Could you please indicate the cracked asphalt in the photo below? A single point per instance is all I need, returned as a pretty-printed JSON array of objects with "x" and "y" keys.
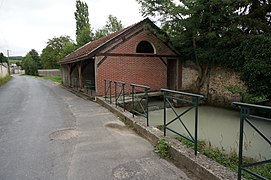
[{"x": 47, "y": 133}]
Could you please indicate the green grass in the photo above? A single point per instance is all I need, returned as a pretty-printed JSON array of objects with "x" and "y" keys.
[
  {"x": 14, "y": 61},
  {"x": 53, "y": 78},
  {"x": 5, "y": 79},
  {"x": 162, "y": 148},
  {"x": 228, "y": 160}
]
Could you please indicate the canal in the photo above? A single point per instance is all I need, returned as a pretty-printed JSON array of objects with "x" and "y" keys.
[{"x": 220, "y": 128}]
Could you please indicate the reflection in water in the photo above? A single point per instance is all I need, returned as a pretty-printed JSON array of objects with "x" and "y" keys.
[{"x": 220, "y": 127}]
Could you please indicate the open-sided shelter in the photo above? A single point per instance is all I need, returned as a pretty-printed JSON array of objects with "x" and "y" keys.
[{"x": 135, "y": 54}]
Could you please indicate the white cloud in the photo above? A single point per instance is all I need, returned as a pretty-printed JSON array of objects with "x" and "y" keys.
[{"x": 28, "y": 24}]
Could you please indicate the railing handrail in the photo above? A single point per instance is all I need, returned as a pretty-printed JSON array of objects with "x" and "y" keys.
[
  {"x": 255, "y": 106},
  {"x": 119, "y": 82},
  {"x": 183, "y": 93},
  {"x": 142, "y": 86}
]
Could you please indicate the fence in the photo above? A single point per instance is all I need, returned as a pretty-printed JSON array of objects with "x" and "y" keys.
[
  {"x": 141, "y": 99},
  {"x": 182, "y": 96},
  {"x": 247, "y": 117}
]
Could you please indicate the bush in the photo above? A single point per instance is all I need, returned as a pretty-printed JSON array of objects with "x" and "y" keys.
[{"x": 254, "y": 63}]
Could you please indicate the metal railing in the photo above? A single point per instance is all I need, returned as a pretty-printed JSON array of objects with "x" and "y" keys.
[
  {"x": 120, "y": 93},
  {"x": 171, "y": 95},
  {"x": 245, "y": 116},
  {"x": 108, "y": 90},
  {"x": 140, "y": 94}
]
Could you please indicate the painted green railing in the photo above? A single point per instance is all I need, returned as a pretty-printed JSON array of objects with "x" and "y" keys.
[
  {"x": 120, "y": 93},
  {"x": 246, "y": 117},
  {"x": 108, "y": 90},
  {"x": 140, "y": 99},
  {"x": 192, "y": 101}
]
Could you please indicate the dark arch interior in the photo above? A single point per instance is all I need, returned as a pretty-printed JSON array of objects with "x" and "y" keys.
[{"x": 144, "y": 47}]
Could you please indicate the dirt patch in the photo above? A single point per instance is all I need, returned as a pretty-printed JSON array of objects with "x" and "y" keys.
[
  {"x": 118, "y": 127},
  {"x": 64, "y": 134}
]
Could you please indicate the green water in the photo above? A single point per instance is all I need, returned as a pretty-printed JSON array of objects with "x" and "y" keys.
[{"x": 219, "y": 127}]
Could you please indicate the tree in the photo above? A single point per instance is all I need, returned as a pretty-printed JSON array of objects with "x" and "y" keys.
[
  {"x": 83, "y": 28},
  {"x": 198, "y": 29},
  {"x": 255, "y": 65},
  {"x": 209, "y": 31},
  {"x": 112, "y": 25},
  {"x": 56, "y": 49},
  {"x": 31, "y": 63},
  {"x": 2, "y": 58}
]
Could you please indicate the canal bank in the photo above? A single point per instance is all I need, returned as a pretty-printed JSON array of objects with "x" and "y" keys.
[{"x": 219, "y": 128}]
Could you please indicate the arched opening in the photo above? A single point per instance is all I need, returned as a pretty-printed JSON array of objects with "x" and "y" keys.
[{"x": 145, "y": 47}]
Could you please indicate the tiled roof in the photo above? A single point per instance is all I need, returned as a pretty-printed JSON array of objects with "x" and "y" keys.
[{"x": 91, "y": 47}]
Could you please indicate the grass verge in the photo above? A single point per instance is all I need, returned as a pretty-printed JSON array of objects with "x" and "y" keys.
[
  {"x": 53, "y": 78},
  {"x": 5, "y": 80},
  {"x": 228, "y": 160},
  {"x": 162, "y": 148}
]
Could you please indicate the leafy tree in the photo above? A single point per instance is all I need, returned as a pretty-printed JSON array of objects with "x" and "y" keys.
[
  {"x": 254, "y": 59},
  {"x": 255, "y": 16},
  {"x": 83, "y": 28},
  {"x": 200, "y": 30},
  {"x": 31, "y": 63},
  {"x": 57, "y": 48},
  {"x": 209, "y": 31},
  {"x": 112, "y": 25},
  {"x": 2, "y": 58}
]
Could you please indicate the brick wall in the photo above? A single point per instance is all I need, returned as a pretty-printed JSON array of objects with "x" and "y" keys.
[{"x": 150, "y": 71}]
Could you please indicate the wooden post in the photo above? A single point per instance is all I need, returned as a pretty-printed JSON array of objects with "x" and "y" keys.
[
  {"x": 69, "y": 75},
  {"x": 79, "y": 66}
]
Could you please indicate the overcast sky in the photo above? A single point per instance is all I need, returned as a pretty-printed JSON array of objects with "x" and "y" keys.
[{"x": 28, "y": 24}]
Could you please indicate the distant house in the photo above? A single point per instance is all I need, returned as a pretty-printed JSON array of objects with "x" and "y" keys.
[{"x": 132, "y": 55}]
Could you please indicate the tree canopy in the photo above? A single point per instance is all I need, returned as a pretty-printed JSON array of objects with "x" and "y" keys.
[
  {"x": 2, "y": 58},
  {"x": 210, "y": 31},
  {"x": 56, "y": 49},
  {"x": 83, "y": 28},
  {"x": 31, "y": 63},
  {"x": 112, "y": 25}
]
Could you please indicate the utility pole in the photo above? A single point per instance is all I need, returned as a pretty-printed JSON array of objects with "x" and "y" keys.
[{"x": 8, "y": 62}]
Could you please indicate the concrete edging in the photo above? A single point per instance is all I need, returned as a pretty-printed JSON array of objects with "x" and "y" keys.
[{"x": 181, "y": 156}]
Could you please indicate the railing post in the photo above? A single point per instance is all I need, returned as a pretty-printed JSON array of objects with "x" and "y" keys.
[
  {"x": 116, "y": 95},
  {"x": 195, "y": 102},
  {"x": 165, "y": 114},
  {"x": 147, "y": 105},
  {"x": 105, "y": 90},
  {"x": 243, "y": 115},
  {"x": 133, "y": 100},
  {"x": 123, "y": 95},
  {"x": 110, "y": 93}
]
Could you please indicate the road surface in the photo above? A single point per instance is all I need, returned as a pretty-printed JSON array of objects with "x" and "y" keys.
[{"x": 48, "y": 133}]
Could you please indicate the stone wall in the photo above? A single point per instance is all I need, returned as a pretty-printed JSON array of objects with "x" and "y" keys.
[
  {"x": 215, "y": 85},
  {"x": 3, "y": 70},
  {"x": 49, "y": 72}
]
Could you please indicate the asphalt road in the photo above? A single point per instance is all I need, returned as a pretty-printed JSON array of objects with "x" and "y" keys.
[{"x": 48, "y": 133}]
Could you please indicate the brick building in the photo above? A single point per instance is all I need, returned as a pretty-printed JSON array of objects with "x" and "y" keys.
[{"x": 135, "y": 54}]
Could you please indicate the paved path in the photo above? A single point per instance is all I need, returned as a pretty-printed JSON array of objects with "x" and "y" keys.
[{"x": 48, "y": 133}]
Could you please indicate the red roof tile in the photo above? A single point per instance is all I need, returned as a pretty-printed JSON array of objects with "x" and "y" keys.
[{"x": 91, "y": 47}]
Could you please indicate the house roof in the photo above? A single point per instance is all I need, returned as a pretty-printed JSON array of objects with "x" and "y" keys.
[{"x": 90, "y": 49}]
